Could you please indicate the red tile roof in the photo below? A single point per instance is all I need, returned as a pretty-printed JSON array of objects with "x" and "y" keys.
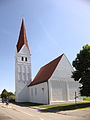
[
  {"x": 22, "y": 38},
  {"x": 45, "y": 72}
]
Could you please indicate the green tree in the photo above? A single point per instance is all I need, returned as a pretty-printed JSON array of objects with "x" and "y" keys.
[
  {"x": 82, "y": 70},
  {"x": 10, "y": 94},
  {"x": 4, "y": 94}
]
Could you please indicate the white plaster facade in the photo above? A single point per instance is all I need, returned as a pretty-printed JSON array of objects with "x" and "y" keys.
[
  {"x": 22, "y": 74},
  {"x": 59, "y": 88},
  {"x": 62, "y": 87},
  {"x": 39, "y": 93}
]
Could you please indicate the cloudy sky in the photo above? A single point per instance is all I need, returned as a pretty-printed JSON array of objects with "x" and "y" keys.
[{"x": 53, "y": 27}]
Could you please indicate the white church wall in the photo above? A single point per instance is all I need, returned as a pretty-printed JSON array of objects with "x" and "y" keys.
[
  {"x": 73, "y": 88},
  {"x": 60, "y": 82},
  {"x": 22, "y": 75},
  {"x": 39, "y": 93},
  {"x": 58, "y": 91},
  {"x": 22, "y": 92},
  {"x": 63, "y": 70}
]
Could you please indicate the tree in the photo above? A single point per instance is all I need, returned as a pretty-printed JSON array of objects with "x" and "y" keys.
[
  {"x": 10, "y": 94},
  {"x": 4, "y": 94},
  {"x": 82, "y": 70}
]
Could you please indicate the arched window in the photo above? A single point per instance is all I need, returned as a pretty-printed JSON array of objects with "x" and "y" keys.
[
  {"x": 25, "y": 58},
  {"x": 22, "y": 59}
]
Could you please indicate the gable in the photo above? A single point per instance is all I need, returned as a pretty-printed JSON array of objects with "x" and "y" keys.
[
  {"x": 63, "y": 71},
  {"x": 24, "y": 50}
]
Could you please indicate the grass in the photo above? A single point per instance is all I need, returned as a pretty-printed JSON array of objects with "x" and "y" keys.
[
  {"x": 64, "y": 107},
  {"x": 86, "y": 99}
]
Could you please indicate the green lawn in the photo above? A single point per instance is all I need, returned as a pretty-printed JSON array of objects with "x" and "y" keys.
[
  {"x": 63, "y": 107},
  {"x": 86, "y": 99}
]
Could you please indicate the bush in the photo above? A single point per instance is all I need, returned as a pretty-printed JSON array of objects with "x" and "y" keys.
[{"x": 5, "y": 94}]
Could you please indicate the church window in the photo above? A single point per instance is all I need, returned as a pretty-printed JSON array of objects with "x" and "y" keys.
[
  {"x": 32, "y": 91},
  {"x": 35, "y": 91},
  {"x": 43, "y": 89},
  {"x": 25, "y": 58},
  {"x": 22, "y": 58}
]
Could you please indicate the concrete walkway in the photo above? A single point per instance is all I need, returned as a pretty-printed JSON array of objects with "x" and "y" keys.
[{"x": 15, "y": 112}]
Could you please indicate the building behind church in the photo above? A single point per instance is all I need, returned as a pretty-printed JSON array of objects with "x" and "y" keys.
[{"x": 52, "y": 84}]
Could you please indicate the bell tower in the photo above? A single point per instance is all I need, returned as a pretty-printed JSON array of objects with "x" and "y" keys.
[{"x": 22, "y": 66}]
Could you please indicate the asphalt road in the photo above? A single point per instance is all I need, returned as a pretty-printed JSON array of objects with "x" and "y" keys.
[{"x": 14, "y": 112}]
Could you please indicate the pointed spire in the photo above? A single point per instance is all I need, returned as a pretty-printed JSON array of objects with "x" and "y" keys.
[{"x": 22, "y": 38}]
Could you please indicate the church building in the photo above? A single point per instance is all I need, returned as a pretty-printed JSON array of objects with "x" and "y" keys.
[{"x": 52, "y": 84}]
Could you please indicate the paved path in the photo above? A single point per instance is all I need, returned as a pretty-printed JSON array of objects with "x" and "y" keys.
[{"x": 14, "y": 112}]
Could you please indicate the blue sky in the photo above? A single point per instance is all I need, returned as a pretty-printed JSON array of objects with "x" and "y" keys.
[{"x": 53, "y": 27}]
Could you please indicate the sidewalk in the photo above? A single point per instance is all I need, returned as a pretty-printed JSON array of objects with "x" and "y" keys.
[{"x": 80, "y": 114}]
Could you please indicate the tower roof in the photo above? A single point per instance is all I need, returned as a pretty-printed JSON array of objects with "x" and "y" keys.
[
  {"x": 45, "y": 72},
  {"x": 22, "y": 40}
]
